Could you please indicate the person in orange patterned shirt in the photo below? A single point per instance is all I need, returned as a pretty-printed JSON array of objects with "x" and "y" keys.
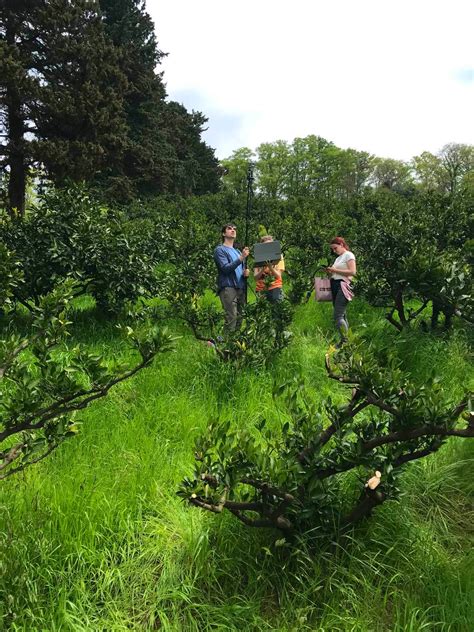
[{"x": 269, "y": 277}]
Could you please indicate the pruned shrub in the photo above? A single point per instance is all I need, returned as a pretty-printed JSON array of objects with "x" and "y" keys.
[
  {"x": 45, "y": 381},
  {"x": 68, "y": 234},
  {"x": 409, "y": 253},
  {"x": 327, "y": 465}
]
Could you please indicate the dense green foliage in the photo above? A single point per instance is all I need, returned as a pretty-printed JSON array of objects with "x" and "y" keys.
[
  {"x": 163, "y": 149},
  {"x": 69, "y": 235},
  {"x": 121, "y": 553},
  {"x": 61, "y": 96},
  {"x": 288, "y": 477},
  {"x": 416, "y": 247},
  {"x": 288, "y": 434}
]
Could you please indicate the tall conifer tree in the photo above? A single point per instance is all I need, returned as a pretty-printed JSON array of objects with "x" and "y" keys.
[
  {"x": 61, "y": 92},
  {"x": 143, "y": 165},
  {"x": 164, "y": 150}
]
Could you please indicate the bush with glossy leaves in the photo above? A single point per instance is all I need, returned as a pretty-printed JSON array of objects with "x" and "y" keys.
[
  {"x": 45, "y": 381},
  {"x": 69, "y": 235},
  {"x": 327, "y": 466}
]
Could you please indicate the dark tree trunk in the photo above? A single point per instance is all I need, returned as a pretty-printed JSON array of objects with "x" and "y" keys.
[
  {"x": 448, "y": 312},
  {"x": 367, "y": 502},
  {"x": 435, "y": 314},
  {"x": 398, "y": 296},
  {"x": 16, "y": 145},
  {"x": 17, "y": 180}
]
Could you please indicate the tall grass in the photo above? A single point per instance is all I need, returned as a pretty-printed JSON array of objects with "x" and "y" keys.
[{"x": 95, "y": 538}]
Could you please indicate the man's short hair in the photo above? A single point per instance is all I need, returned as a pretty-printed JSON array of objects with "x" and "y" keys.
[{"x": 229, "y": 225}]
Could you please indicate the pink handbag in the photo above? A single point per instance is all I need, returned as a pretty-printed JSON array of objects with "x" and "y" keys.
[{"x": 322, "y": 288}]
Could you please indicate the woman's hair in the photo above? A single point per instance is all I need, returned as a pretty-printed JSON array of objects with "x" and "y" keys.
[
  {"x": 340, "y": 241},
  {"x": 266, "y": 238}
]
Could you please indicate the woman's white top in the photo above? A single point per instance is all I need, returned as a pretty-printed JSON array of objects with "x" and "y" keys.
[{"x": 341, "y": 263}]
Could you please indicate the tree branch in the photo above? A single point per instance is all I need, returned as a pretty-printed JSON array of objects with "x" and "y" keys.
[
  {"x": 21, "y": 467},
  {"x": 279, "y": 522},
  {"x": 13, "y": 453},
  {"x": 268, "y": 489},
  {"x": 416, "y": 433},
  {"x": 198, "y": 502},
  {"x": 198, "y": 336},
  {"x": 413, "y": 315},
  {"x": 413, "y": 456},
  {"x": 392, "y": 320},
  {"x": 346, "y": 414},
  {"x": 379, "y": 403},
  {"x": 58, "y": 409}
]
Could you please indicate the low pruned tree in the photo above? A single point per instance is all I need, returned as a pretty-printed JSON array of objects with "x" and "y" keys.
[
  {"x": 297, "y": 476},
  {"x": 45, "y": 382},
  {"x": 409, "y": 253}
]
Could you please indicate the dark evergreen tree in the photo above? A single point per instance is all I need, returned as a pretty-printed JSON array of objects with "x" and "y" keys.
[
  {"x": 61, "y": 92},
  {"x": 143, "y": 167},
  {"x": 195, "y": 168},
  {"x": 164, "y": 151}
]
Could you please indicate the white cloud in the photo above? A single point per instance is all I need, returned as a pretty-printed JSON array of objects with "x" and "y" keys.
[{"x": 377, "y": 75}]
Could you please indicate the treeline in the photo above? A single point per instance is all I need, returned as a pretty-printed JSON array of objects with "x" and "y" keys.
[
  {"x": 315, "y": 167},
  {"x": 80, "y": 99}
]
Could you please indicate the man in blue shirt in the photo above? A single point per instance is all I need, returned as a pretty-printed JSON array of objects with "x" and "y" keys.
[{"x": 232, "y": 276}]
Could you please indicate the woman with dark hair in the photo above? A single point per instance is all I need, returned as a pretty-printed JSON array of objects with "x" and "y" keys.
[{"x": 342, "y": 271}]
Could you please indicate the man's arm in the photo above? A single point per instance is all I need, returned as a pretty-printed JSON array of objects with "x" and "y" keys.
[{"x": 223, "y": 263}]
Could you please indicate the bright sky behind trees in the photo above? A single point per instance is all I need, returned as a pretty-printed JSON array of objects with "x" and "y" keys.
[{"x": 391, "y": 78}]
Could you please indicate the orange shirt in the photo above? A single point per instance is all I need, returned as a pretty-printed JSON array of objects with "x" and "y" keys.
[{"x": 260, "y": 285}]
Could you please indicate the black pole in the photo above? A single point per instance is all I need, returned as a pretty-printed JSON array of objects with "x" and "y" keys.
[{"x": 247, "y": 215}]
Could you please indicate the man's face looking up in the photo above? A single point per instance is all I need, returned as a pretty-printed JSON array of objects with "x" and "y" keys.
[{"x": 230, "y": 231}]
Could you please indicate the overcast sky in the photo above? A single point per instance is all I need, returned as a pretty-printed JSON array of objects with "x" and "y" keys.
[{"x": 394, "y": 78}]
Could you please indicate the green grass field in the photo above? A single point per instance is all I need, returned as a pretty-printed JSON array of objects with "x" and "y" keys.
[{"x": 95, "y": 538}]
